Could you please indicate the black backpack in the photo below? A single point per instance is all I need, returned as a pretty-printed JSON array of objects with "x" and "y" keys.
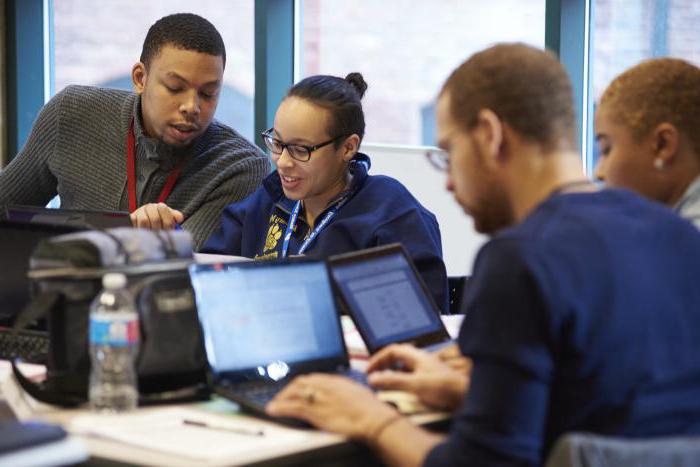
[{"x": 66, "y": 273}]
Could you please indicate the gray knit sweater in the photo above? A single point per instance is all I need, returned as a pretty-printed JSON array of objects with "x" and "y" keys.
[{"x": 77, "y": 149}]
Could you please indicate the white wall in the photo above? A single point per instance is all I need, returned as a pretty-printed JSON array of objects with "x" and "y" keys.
[{"x": 460, "y": 242}]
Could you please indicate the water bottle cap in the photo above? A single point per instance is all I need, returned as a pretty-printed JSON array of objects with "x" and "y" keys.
[{"x": 113, "y": 280}]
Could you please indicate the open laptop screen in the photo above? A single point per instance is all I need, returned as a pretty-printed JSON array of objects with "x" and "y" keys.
[
  {"x": 256, "y": 314},
  {"x": 385, "y": 296},
  {"x": 17, "y": 242},
  {"x": 83, "y": 218}
]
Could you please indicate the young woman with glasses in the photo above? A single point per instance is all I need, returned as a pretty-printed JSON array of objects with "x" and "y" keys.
[{"x": 321, "y": 200}]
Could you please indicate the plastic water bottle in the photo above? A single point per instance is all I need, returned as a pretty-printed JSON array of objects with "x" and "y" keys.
[{"x": 114, "y": 341}]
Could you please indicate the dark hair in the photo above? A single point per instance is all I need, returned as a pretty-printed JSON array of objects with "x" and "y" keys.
[
  {"x": 185, "y": 31},
  {"x": 657, "y": 91},
  {"x": 342, "y": 97},
  {"x": 526, "y": 87}
]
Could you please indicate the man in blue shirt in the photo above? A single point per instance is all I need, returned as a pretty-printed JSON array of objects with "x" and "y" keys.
[{"x": 583, "y": 312}]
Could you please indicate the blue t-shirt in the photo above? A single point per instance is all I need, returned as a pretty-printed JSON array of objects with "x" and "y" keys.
[{"x": 584, "y": 317}]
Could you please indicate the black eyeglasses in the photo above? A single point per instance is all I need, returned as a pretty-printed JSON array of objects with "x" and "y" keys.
[
  {"x": 439, "y": 159},
  {"x": 296, "y": 151}
]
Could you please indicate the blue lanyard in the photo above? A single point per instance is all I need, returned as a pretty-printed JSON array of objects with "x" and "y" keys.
[{"x": 314, "y": 233}]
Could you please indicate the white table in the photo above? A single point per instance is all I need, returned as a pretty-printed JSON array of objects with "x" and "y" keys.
[{"x": 279, "y": 446}]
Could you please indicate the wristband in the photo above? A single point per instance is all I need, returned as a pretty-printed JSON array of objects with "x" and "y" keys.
[{"x": 374, "y": 437}]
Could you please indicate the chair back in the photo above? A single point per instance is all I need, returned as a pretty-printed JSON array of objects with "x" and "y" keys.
[
  {"x": 589, "y": 450},
  {"x": 457, "y": 287}
]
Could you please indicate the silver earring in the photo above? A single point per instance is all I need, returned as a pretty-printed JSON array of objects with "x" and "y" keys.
[{"x": 658, "y": 163}]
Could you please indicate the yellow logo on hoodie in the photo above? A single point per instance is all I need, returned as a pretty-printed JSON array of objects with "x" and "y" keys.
[{"x": 274, "y": 233}]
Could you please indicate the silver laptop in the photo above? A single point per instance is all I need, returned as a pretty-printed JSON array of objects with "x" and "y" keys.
[{"x": 264, "y": 323}]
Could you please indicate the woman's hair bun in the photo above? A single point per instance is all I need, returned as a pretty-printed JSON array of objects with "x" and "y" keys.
[{"x": 358, "y": 82}]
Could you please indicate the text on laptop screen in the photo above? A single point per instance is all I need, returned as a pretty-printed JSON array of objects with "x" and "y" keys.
[
  {"x": 384, "y": 294},
  {"x": 252, "y": 316}
]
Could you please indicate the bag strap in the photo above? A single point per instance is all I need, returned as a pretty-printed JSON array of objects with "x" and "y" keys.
[
  {"x": 163, "y": 237},
  {"x": 121, "y": 248},
  {"x": 38, "y": 307},
  {"x": 44, "y": 394},
  {"x": 167, "y": 242}
]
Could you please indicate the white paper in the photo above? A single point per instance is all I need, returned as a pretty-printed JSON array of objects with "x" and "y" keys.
[
  {"x": 452, "y": 324},
  {"x": 353, "y": 340},
  {"x": 22, "y": 405},
  {"x": 67, "y": 451},
  {"x": 164, "y": 430},
  {"x": 209, "y": 258}
]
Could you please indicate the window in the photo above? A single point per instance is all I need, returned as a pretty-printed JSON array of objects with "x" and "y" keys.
[
  {"x": 406, "y": 49},
  {"x": 97, "y": 43},
  {"x": 629, "y": 31}
]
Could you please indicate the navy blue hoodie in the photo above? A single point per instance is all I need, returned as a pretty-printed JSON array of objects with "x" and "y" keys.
[{"x": 380, "y": 211}]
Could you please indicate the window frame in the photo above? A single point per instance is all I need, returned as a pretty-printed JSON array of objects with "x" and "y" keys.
[
  {"x": 28, "y": 67},
  {"x": 277, "y": 52}
]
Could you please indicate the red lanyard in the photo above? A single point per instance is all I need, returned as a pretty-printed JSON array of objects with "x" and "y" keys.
[{"x": 131, "y": 171}]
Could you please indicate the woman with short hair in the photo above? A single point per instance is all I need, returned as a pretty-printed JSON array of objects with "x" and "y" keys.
[{"x": 647, "y": 128}]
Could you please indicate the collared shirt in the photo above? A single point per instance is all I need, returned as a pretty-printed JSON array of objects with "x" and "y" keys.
[
  {"x": 154, "y": 160},
  {"x": 689, "y": 205}
]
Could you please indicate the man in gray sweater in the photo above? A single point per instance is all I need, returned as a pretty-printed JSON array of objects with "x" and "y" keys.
[{"x": 157, "y": 153}]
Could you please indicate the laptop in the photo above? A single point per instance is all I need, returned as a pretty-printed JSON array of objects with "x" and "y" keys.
[
  {"x": 84, "y": 218},
  {"x": 387, "y": 299},
  {"x": 264, "y": 323},
  {"x": 17, "y": 242}
]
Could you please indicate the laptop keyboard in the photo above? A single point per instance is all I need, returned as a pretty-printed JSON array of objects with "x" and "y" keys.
[
  {"x": 257, "y": 392},
  {"x": 356, "y": 376},
  {"x": 30, "y": 346},
  {"x": 261, "y": 392}
]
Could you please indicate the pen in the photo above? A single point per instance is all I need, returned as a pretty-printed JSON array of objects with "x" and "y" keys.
[{"x": 230, "y": 429}]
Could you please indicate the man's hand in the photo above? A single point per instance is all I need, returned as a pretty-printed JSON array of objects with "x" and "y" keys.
[
  {"x": 452, "y": 356},
  {"x": 156, "y": 216},
  {"x": 407, "y": 368},
  {"x": 333, "y": 403},
  {"x": 338, "y": 404}
]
